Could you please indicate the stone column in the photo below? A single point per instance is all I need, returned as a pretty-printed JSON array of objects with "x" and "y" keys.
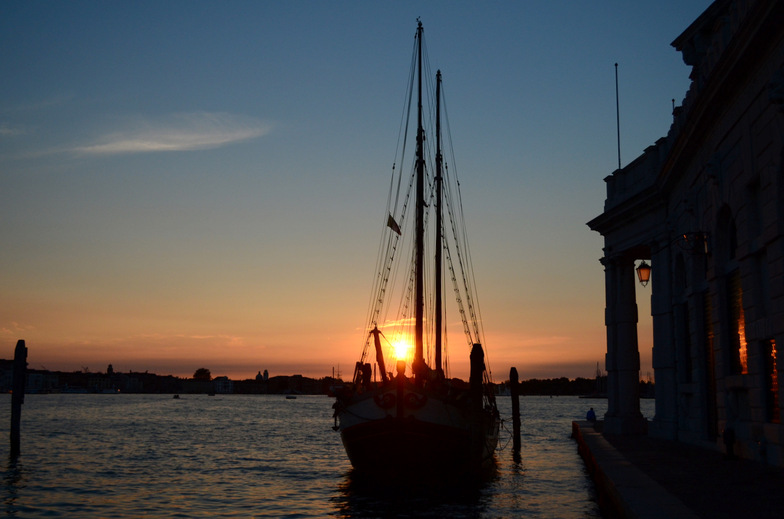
[
  {"x": 609, "y": 321},
  {"x": 665, "y": 422},
  {"x": 623, "y": 358}
]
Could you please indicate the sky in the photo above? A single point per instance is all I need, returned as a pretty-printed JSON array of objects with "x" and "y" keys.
[{"x": 189, "y": 184}]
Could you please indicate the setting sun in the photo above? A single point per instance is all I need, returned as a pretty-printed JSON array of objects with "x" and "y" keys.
[{"x": 401, "y": 349}]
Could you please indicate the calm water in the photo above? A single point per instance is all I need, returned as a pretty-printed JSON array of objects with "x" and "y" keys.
[{"x": 262, "y": 456}]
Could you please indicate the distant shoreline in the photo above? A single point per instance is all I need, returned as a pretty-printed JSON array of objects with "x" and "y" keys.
[{"x": 44, "y": 381}]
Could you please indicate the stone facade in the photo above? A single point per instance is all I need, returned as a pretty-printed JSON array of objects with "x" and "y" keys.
[{"x": 705, "y": 207}]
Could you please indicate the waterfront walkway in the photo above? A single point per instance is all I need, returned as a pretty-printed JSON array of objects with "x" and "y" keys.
[{"x": 648, "y": 478}]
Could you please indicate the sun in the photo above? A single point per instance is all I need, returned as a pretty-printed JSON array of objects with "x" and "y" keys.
[{"x": 401, "y": 349}]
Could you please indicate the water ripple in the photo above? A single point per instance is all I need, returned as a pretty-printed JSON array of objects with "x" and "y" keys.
[{"x": 117, "y": 456}]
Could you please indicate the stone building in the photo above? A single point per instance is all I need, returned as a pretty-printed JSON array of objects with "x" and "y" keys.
[{"x": 704, "y": 208}]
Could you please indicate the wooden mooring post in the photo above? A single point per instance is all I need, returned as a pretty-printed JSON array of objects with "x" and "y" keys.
[
  {"x": 17, "y": 397},
  {"x": 514, "y": 384}
]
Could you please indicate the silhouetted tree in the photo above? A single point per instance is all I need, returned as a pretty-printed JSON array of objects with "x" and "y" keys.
[{"x": 202, "y": 374}]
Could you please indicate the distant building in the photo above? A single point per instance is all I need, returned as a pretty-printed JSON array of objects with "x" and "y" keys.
[
  {"x": 40, "y": 381},
  {"x": 6, "y": 375},
  {"x": 223, "y": 385},
  {"x": 704, "y": 206}
]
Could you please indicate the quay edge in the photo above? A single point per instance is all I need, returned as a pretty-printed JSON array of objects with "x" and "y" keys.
[{"x": 622, "y": 489}]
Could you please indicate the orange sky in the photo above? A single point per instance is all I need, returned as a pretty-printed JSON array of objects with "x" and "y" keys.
[
  {"x": 227, "y": 340},
  {"x": 197, "y": 194}
]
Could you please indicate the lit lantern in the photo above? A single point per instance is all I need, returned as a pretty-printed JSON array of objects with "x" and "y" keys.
[{"x": 644, "y": 273}]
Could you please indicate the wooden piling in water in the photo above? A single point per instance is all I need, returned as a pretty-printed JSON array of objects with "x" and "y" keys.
[
  {"x": 17, "y": 398},
  {"x": 515, "y": 390}
]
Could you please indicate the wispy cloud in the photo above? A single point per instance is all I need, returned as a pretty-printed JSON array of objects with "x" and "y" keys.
[
  {"x": 180, "y": 132},
  {"x": 42, "y": 104},
  {"x": 13, "y": 329},
  {"x": 404, "y": 322},
  {"x": 228, "y": 340},
  {"x": 544, "y": 341},
  {"x": 8, "y": 131}
]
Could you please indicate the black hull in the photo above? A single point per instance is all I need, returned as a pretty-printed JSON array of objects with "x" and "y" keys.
[
  {"x": 402, "y": 448},
  {"x": 420, "y": 446}
]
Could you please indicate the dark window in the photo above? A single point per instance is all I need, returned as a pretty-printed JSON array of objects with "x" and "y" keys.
[
  {"x": 683, "y": 343},
  {"x": 773, "y": 411},
  {"x": 712, "y": 423},
  {"x": 687, "y": 363}
]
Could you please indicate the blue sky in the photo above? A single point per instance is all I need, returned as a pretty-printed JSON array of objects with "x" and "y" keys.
[{"x": 188, "y": 184}]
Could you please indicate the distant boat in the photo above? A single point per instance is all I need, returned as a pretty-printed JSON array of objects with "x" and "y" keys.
[
  {"x": 425, "y": 423},
  {"x": 291, "y": 397},
  {"x": 176, "y": 396},
  {"x": 601, "y": 382}
]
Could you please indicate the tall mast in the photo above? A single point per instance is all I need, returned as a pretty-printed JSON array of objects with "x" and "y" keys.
[
  {"x": 439, "y": 217},
  {"x": 419, "y": 357}
]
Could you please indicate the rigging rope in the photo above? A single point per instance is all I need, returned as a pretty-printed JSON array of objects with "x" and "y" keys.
[
  {"x": 474, "y": 306},
  {"x": 457, "y": 254}
]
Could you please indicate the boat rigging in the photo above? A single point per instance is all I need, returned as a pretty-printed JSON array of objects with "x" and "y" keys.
[{"x": 393, "y": 419}]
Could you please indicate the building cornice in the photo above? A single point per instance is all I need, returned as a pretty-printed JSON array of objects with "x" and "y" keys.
[{"x": 760, "y": 31}]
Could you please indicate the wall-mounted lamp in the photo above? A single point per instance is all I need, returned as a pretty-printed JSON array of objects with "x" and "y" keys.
[
  {"x": 693, "y": 242},
  {"x": 644, "y": 273}
]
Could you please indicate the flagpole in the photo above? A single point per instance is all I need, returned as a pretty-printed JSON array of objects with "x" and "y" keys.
[{"x": 617, "y": 116}]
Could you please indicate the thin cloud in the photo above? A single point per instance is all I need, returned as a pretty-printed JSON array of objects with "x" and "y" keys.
[
  {"x": 233, "y": 340},
  {"x": 181, "y": 132},
  {"x": 43, "y": 104},
  {"x": 14, "y": 331},
  {"x": 8, "y": 131},
  {"x": 404, "y": 322},
  {"x": 545, "y": 341}
]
